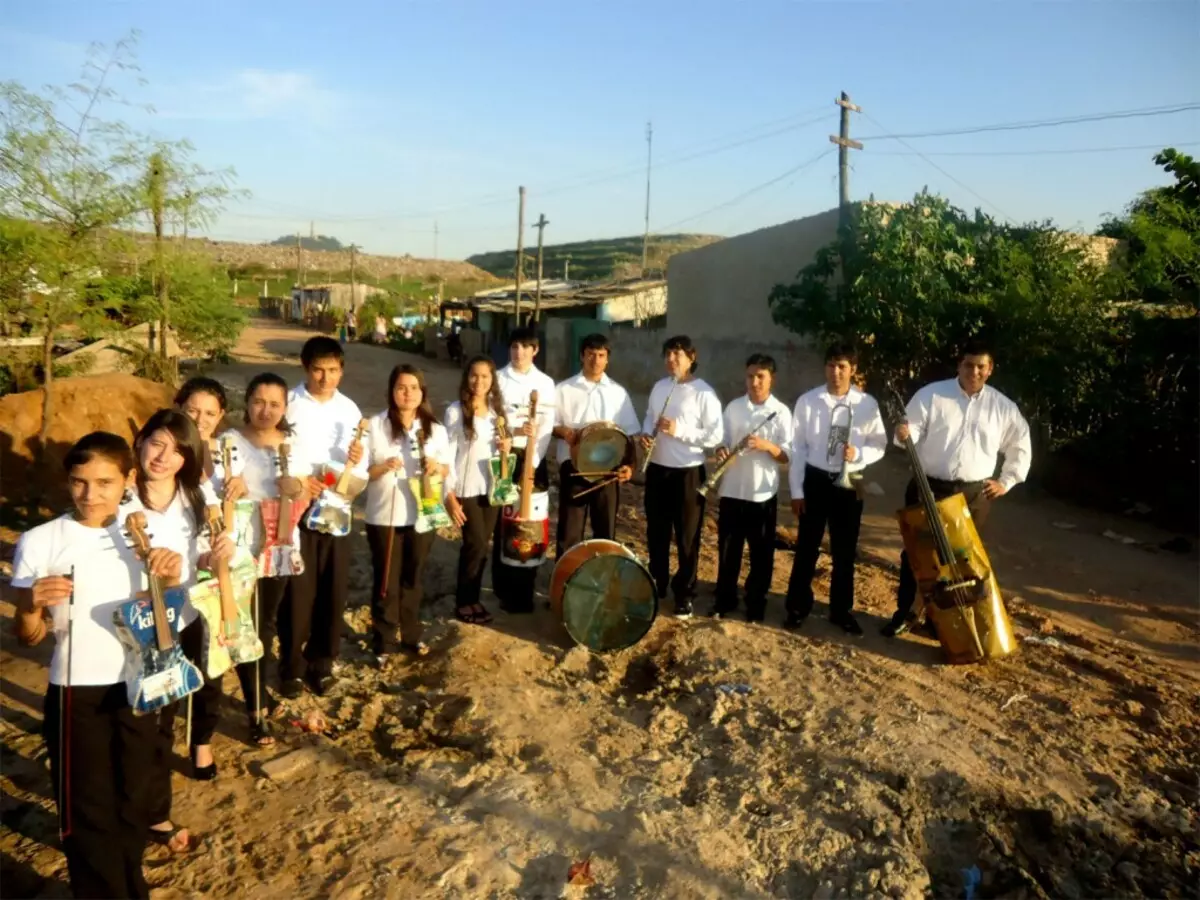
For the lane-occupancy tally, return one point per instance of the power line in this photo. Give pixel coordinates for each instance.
(1042, 123)
(1065, 151)
(598, 177)
(754, 190)
(965, 187)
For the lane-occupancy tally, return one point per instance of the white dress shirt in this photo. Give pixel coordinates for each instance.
(322, 432)
(810, 434)
(470, 473)
(516, 387)
(699, 425)
(754, 475)
(582, 402)
(259, 469)
(390, 500)
(959, 437)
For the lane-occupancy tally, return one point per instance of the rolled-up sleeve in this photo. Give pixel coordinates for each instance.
(1017, 449)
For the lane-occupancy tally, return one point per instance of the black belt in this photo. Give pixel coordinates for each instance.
(956, 483)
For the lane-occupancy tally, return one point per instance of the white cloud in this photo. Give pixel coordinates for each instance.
(254, 94)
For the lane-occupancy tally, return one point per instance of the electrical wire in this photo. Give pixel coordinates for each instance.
(1065, 151)
(1040, 123)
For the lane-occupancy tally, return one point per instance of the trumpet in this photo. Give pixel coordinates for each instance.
(840, 434)
(738, 449)
(654, 432)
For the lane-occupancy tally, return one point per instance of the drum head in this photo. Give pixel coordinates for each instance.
(609, 602)
(601, 449)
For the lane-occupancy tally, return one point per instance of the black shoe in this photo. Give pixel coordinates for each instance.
(321, 684)
(683, 609)
(292, 688)
(203, 773)
(794, 621)
(894, 628)
(723, 612)
(848, 624)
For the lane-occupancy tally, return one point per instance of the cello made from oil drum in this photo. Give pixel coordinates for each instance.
(954, 576)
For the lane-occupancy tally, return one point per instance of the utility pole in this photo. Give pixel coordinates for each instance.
(312, 230)
(540, 225)
(646, 234)
(299, 261)
(435, 238)
(567, 268)
(844, 146)
(353, 279)
(520, 254)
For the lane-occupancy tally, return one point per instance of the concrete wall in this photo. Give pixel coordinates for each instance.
(635, 307)
(721, 290)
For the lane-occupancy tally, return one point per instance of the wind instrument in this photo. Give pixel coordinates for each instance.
(654, 432)
(844, 480)
(738, 449)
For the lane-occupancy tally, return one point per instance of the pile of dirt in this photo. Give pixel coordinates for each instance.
(117, 403)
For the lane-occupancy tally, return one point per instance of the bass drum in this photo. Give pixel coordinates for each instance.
(602, 448)
(603, 595)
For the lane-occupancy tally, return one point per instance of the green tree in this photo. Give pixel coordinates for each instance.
(1161, 230)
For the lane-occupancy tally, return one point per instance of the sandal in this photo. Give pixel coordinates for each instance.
(420, 648)
(482, 616)
(262, 733)
(165, 837)
(472, 615)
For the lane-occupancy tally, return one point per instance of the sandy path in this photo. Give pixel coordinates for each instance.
(851, 768)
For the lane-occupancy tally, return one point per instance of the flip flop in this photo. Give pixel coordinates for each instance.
(165, 837)
(420, 648)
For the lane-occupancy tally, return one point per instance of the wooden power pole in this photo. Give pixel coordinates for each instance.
(299, 262)
(844, 146)
(540, 225)
(353, 279)
(520, 254)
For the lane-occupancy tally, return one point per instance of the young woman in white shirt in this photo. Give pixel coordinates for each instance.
(394, 447)
(471, 424)
(169, 456)
(257, 443)
(71, 574)
(203, 401)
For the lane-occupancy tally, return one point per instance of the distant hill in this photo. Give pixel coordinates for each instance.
(594, 260)
(320, 242)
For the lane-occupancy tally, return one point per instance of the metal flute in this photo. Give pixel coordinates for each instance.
(654, 433)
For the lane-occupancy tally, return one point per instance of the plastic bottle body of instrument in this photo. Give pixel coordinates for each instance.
(525, 528)
(332, 511)
(983, 613)
(502, 469)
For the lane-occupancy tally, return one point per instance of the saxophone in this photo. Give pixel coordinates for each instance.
(737, 451)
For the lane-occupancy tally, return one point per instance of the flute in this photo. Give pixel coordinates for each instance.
(654, 432)
(733, 454)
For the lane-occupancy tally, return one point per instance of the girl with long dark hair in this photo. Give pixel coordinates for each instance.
(471, 424)
(398, 440)
(203, 401)
(170, 473)
(70, 574)
(257, 443)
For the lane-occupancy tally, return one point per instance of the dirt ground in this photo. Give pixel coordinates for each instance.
(715, 759)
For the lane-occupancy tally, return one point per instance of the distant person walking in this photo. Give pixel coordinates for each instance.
(352, 325)
(380, 330)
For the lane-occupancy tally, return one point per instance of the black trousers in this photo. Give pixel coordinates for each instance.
(599, 505)
(113, 782)
(206, 702)
(395, 606)
(840, 510)
(477, 533)
(253, 676)
(980, 507)
(514, 585)
(742, 522)
(674, 507)
(310, 622)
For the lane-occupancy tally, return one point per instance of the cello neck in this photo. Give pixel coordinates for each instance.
(929, 504)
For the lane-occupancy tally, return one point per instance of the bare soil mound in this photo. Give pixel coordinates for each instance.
(116, 403)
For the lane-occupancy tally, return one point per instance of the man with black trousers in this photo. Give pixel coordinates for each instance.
(589, 397)
(749, 489)
(961, 427)
(514, 585)
(831, 425)
(323, 421)
(684, 415)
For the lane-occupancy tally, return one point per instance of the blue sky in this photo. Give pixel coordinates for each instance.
(378, 119)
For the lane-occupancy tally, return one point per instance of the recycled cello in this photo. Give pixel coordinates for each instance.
(525, 528)
(953, 573)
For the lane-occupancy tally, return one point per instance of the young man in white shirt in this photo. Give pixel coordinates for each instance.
(684, 413)
(513, 585)
(749, 489)
(960, 428)
(323, 422)
(832, 424)
(589, 397)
